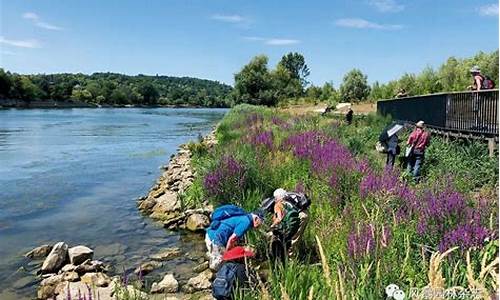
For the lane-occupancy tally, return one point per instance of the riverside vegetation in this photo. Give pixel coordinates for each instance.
(369, 226)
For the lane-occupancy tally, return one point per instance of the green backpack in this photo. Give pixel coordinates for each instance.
(290, 223)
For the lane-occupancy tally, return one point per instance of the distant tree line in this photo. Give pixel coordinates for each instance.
(258, 84)
(115, 89)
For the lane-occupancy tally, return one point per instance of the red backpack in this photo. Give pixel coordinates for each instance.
(488, 83)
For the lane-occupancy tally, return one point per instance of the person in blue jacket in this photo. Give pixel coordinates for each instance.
(227, 233)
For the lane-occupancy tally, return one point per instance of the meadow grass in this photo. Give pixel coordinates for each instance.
(369, 227)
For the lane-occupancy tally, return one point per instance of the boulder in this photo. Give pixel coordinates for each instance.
(70, 276)
(147, 268)
(147, 204)
(56, 258)
(96, 279)
(81, 290)
(39, 252)
(46, 292)
(167, 254)
(201, 267)
(79, 254)
(67, 268)
(52, 280)
(165, 205)
(167, 285)
(90, 266)
(196, 222)
(200, 282)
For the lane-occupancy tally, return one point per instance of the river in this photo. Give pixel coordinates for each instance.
(73, 175)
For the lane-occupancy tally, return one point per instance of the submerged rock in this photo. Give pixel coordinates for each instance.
(39, 252)
(79, 254)
(201, 267)
(147, 268)
(56, 258)
(167, 254)
(167, 285)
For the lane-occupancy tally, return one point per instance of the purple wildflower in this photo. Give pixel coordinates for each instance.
(465, 236)
(226, 180)
(264, 139)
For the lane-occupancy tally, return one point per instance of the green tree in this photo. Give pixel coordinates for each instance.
(5, 83)
(253, 84)
(295, 64)
(149, 93)
(354, 87)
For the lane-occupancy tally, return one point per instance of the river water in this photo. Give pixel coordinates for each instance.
(73, 175)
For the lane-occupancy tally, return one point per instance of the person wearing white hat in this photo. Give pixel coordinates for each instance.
(477, 85)
(418, 141)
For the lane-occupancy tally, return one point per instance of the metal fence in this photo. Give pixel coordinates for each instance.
(467, 112)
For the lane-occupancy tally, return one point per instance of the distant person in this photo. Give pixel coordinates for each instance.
(229, 224)
(480, 82)
(401, 93)
(418, 141)
(349, 116)
(391, 139)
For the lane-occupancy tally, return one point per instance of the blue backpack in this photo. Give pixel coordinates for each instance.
(229, 276)
(225, 211)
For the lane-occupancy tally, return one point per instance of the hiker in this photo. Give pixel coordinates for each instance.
(390, 141)
(418, 141)
(289, 217)
(348, 116)
(229, 224)
(402, 93)
(480, 82)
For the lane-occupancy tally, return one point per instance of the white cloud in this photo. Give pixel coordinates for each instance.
(20, 43)
(364, 24)
(229, 18)
(488, 10)
(37, 22)
(30, 16)
(273, 41)
(386, 5)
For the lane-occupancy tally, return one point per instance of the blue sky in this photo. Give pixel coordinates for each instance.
(214, 39)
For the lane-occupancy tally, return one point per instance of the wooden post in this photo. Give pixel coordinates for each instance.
(491, 146)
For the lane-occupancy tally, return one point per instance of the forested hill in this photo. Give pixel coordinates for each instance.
(115, 89)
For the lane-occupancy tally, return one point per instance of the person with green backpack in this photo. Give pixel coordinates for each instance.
(289, 219)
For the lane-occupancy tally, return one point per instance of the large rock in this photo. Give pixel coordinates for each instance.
(79, 254)
(80, 290)
(70, 276)
(56, 258)
(167, 203)
(167, 285)
(200, 282)
(39, 252)
(90, 266)
(147, 204)
(167, 254)
(96, 279)
(52, 280)
(196, 222)
(46, 292)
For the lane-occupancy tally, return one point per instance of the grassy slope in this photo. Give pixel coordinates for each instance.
(369, 233)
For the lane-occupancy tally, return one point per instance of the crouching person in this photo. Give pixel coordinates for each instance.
(229, 224)
(290, 218)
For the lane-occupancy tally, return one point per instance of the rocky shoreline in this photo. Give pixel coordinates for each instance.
(72, 273)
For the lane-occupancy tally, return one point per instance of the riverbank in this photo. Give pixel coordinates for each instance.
(369, 226)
